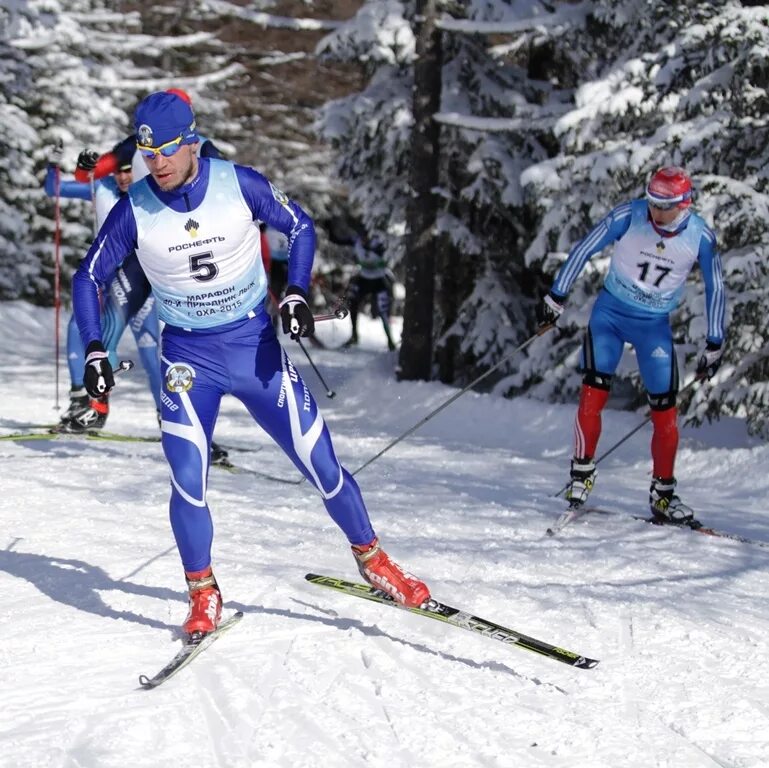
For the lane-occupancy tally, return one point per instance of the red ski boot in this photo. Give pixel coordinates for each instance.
(205, 604)
(382, 573)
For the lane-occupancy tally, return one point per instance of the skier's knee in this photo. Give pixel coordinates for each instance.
(597, 379)
(662, 402)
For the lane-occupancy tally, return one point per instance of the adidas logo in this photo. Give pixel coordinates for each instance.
(659, 352)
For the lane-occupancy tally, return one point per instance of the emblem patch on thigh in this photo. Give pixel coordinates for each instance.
(179, 377)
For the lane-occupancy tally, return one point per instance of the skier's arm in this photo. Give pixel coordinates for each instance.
(105, 165)
(715, 298)
(115, 240)
(608, 230)
(270, 205)
(67, 187)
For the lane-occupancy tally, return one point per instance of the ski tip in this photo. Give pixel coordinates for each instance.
(585, 663)
(146, 683)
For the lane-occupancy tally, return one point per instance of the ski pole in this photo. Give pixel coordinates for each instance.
(338, 312)
(57, 277)
(455, 396)
(329, 392)
(629, 434)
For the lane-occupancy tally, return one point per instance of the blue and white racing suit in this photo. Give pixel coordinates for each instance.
(127, 299)
(199, 246)
(646, 279)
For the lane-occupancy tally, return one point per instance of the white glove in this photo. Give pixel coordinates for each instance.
(710, 361)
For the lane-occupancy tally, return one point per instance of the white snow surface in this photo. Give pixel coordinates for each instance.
(94, 592)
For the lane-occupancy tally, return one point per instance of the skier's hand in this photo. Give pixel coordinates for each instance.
(54, 158)
(710, 361)
(86, 160)
(98, 377)
(295, 314)
(549, 310)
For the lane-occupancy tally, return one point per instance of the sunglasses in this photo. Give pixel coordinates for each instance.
(660, 206)
(167, 150)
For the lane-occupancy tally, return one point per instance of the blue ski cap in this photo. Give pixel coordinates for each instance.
(163, 117)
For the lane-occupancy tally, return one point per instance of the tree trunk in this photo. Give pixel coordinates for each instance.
(416, 355)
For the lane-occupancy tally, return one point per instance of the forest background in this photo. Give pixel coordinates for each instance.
(479, 140)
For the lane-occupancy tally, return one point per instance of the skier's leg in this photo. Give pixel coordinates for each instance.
(193, 388)
(267, 383)
(79, 411)
(383, 305)
(601, 353)
(658, 364)
(146, 330)
(353, 304)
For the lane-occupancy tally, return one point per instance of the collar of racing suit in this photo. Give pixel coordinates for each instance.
(189, 196)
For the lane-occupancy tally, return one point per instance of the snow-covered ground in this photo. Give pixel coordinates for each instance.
(93, 593)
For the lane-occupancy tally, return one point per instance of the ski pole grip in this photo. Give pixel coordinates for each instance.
(124, 366)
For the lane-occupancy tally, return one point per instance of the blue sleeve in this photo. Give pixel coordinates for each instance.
(116, 240)
(607, 231)
(67, 187)
(715, 297)
(270, 205)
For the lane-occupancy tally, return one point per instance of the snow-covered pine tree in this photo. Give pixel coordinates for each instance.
(47, 47)
(484, 288)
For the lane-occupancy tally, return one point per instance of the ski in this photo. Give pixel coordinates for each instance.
(693, 525)
(434, 610)
(698, 527)
(51, 434)
(236, 469)
(241, 448)
(569, 516)
(188, 652)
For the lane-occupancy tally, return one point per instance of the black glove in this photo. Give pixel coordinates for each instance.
(710, 361)
(86, 160)
(549, 309)
(98, 377)
(295, 314)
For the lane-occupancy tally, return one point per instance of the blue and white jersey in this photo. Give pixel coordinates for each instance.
(648, 269)
(205, 266)
(199, 246)
(105, 194)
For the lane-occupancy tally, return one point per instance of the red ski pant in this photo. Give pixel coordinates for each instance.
(587, 431)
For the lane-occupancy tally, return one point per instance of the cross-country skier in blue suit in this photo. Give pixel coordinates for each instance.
(127, 299)
(193, 223)
(657, 241)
